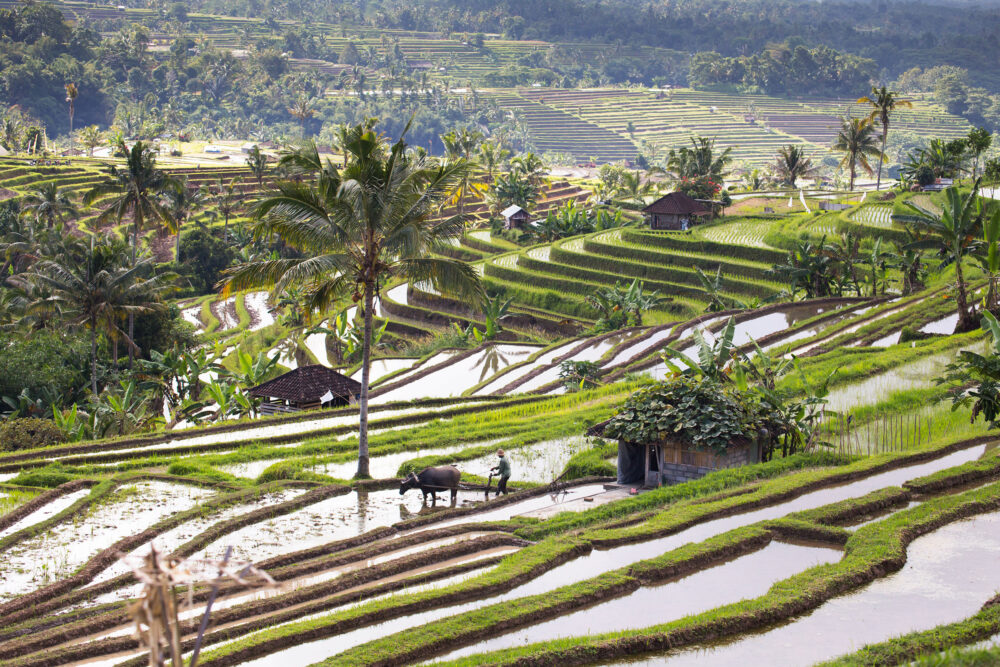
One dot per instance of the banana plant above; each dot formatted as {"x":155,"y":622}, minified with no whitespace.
{"x":714,"y":358}
{"x":988,"y":257}
{"x":72,"y":422}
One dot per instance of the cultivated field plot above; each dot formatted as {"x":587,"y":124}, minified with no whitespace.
{"x":578,"y":122}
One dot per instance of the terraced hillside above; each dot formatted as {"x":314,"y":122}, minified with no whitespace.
{"x":755,"y":126}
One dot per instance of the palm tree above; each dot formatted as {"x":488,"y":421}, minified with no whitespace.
{"x":954,"y":234}
{"x":95,"y":288}
{"x":883,"y":103}
{"x":302,"y":110}
{"x":90,"y":138}
{"x":699,"y":160}
{"x":491,"y":156}
{"x":226,"y":202}
{"x":792,"y":163}
{"x":857,"y":141}
{"x":357,"y":229}
{"x":135,"y":189}
{"x":48,"y":204}
{"x":183,"y":202}
{"x":257,"y":163}
{"x":978,"y":142}
{"x":634,"y":189}
{"x":71,"y":94}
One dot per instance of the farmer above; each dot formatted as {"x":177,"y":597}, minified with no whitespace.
{"x":503,"y":466}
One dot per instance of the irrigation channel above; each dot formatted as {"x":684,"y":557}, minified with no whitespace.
{"x":599,"y":561}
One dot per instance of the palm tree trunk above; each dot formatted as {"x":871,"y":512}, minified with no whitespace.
{"x":851,"y":188}
{"x":93,"y":357}
{"x":177,"y":244}
{"x":366,"y":351}
{"x":137,"y":222}
{"x":878,"y":179}
{"x":964,"y":318}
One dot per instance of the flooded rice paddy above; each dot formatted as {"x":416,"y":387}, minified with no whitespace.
{"x":739,"y":579}
{"x":60,"y":550}
{"x":948,"y":576}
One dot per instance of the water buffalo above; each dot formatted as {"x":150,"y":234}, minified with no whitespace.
{"x":432,"y":480}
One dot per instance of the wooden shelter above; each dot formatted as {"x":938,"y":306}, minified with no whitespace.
{"x":515,"y":217}
{"x":672,"y":461}
{"x":305,"y":388}
{"x":675,"y":211}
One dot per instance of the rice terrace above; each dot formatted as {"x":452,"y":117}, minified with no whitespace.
{"x":499,"y":333}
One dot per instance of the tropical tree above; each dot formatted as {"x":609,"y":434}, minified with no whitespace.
{"x":90,"y":137}
{"x":808,"y":267}
{"x":48,"y":204}
{"x":713,"y":287}
{"x":883,"y":103}
{"x":975,"y":379}
{"x":978,"y":142}
{"x":302,"y":110}
{"x":857,"y":141}
{"x":372,"y":222}
{"x":461,"y":144}
{"x":792,"y":163}
{"x":257,"y":162}
{"x":226,"y":202}
{"x":530,"y":167}
{"x":135,"y":190}
{"x":95,"y":288}
{"x":634,"y":189}
{"x":954,"y":232}
{"x":491,"y":156}
{"x":987,"y":254}
{"x":71,"y":94}
{"x":183,"y":201}
{"x":699,"y":160}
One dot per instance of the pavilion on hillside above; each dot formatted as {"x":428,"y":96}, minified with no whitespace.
{"x":305,"y":388}
{"x":675,"y":211}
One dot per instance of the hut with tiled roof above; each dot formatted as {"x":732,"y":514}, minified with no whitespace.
{"x":675,"y":211}
{"x":305,"y":388}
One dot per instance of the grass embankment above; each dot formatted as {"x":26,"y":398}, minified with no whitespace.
{"x":870,"y":553}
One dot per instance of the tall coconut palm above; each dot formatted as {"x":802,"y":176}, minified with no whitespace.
{"x":95,"y":288}
{"x":302,"y":110}
{"x":183,"y":202}
{"x":135,"y":190}
{"x":48,"y":204}
{"x":226,"y":202}
{"x":461,"y":144}
{"x":883,"y":103}
{"x":792,"y":163}
{"x":71,"y":94}
{"x":954,"y":234}
{"x":857,"y":141}
{"x":357,"y":229}
{"x":90,"y":138}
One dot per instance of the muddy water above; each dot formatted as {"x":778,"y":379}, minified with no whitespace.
{"x":540,"y":462}
{"x":431,"y":361}
{"x":46,"y":511}
{"x":948,"y":576}
{"x":382,"y":467}
{"x":256,"y":305}
{"x":542,"y":360}
{"x":592,"y":352}
{"x":461,"y":375}
{"x":172,"y":539}
{"x":332,"y":519}
{"x":63,"y":548}
{"x":739,"y":579}
{"x":316,"y":343}
{"x":598,"y":562}
{"x":629,"y":351}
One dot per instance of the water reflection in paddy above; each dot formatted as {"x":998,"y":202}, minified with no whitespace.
{"x":592,"y":352}
{"x":461,"y":375}
{"x":742,"y":578}
{"x":598,"y":562}
{"x":543,"y":360}
{"x":948,"y":576}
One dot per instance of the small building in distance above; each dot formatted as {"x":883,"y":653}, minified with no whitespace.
{"x":515,"y":217}
{"x":675,"y":211}
{"x":305,"y":388}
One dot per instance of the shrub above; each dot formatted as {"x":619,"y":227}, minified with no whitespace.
{"x":576,"y":375}
{"x":29,"y":433}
